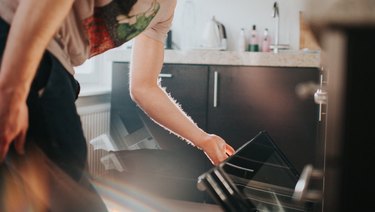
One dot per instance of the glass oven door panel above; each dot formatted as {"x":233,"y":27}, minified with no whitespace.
{"x":258,"y":176}
{"x":261,"y":160}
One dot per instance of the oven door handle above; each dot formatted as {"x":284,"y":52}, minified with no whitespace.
{"x":302,"y":192}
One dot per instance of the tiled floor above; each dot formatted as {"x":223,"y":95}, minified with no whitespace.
{"x":123,"y":198}
{"x":167,"y":205}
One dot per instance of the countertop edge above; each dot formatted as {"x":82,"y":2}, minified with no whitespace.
{"x":211,"y":57}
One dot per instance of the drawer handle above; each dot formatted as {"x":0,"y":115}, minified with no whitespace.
{"x":216,"y":79}
{"x":302,"y":191}
{"x":165,"y":75}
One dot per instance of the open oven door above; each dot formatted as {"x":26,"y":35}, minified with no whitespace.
{"x":258,"y":177}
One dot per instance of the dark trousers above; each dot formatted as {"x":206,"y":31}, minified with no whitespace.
{"x":55,"y":147}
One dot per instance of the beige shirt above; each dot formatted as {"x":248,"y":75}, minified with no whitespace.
{"x":95,"y":26}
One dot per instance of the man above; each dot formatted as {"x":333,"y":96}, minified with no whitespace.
{"x":40,"y":43}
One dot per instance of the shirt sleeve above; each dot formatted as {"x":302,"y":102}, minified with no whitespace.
{"x":159,"y":29}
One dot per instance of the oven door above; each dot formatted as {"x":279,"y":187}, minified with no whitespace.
{"x":258,"y":177}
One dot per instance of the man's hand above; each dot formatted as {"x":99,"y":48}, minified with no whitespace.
{"x":216,"y":149}
{"x":13,"y":123}
{"x":33,"y":25}
{"x":145,"y":90}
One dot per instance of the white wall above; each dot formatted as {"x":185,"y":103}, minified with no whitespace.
{"x":234,"y":14}
{"x":237,"y":14}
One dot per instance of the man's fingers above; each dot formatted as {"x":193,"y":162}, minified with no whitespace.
{"x":19,"y":143}
{"x":220,"y":154}
{"x":4,"y":147}
{"x":229,"y":150}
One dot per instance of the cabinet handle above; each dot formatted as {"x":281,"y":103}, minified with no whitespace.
{"x":216,"y":79}
{"x":302,"y":192}
{"x":165,"y":75}
{"x":320,"y":96}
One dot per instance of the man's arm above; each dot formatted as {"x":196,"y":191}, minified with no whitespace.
{"x":34,"y":24}
{"x":146,"y":64}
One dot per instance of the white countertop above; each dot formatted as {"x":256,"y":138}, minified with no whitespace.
{"x":212,"y":57}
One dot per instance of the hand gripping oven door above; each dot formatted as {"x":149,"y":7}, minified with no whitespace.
{"x":258,"y":177}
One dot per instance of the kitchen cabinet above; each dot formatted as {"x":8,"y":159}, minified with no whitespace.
{"x":235,"y":102}
{"x":177,"y":80}
{"x":188,"y":86}
{"x":252,"y":99}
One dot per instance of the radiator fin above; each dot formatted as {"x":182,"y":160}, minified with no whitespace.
{"x":95,"y":122}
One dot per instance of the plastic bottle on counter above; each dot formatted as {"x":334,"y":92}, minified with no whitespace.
{"x":266,"y":41}
{"x":254,"y":42}
{"x":242,"y":43}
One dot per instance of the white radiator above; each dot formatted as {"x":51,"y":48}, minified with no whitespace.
{"x":95,"y":122}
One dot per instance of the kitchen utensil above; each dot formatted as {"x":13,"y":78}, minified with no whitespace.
{"x":214,"y":35}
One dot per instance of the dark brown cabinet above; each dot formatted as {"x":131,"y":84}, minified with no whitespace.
{"x":246,"y":100}
{"x":187,"y":84}
{"x":235,"y":102}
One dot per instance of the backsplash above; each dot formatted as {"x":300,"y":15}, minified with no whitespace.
{"x":234,"y":15}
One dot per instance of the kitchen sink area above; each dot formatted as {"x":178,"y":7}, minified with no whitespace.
{"x":242,"y":80}
{"x":237,"y":94}
{"x":273,"y":91}
{"x":247,"y":106}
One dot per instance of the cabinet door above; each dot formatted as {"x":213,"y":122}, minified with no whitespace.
{"x":187,"y":84}
{"x":246,"y":100}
